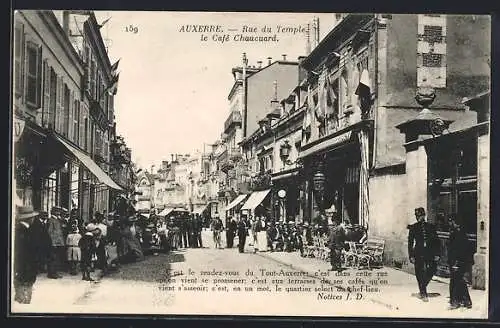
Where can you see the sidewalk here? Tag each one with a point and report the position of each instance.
(397, 294)
(49, 294)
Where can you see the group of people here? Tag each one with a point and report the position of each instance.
(184, 231)
(424, 253)
(60, 242)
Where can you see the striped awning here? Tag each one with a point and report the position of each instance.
(235, 202)
(89, 164)
(255, 199)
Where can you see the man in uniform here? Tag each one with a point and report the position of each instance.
(423, 250)
(336, 240)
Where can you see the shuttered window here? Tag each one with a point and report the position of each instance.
(33, 66)
(76, 121)
(46, 119)
(66, 110)
(19, 60)
(52, 99)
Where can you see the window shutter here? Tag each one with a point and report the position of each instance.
(39, 83)
(58, 112)
(19, 60)
(70, 116)
(46, 95)
(82, 126)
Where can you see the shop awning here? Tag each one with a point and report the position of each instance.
(327, 144)
(199, 209)
(146, 215)
(235, 202)
(90, 165)
(255, 199)
(285, 174)
(166, 212)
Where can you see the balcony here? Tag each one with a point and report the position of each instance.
(99, 115)
(233, 120)
(235, 154)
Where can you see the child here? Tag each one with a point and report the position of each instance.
(87, 247)
(73, 251)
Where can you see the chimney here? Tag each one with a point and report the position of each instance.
(259, 64)
(245, 59)
(65, 22)
(284, 57)
(317, 31)
(275, 88)
(171, 158)
(302, 70)
(152, 169)
(269, 59)
(308, 39)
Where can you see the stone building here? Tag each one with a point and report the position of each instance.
(363, 77)
(64, 86)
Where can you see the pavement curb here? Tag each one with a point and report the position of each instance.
(295, 267)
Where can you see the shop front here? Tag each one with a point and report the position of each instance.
(336, 175)
(286, 195)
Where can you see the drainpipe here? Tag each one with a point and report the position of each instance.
(245, 114)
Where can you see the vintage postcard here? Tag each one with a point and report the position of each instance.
(268, 164)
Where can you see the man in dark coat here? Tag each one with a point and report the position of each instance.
(242, 229)
(336, 242)
(183, 231)
(41, 240)
(231, 232)
(423, 250)
(25, 255)
(459, 258)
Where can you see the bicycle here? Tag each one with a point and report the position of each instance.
(217, 239)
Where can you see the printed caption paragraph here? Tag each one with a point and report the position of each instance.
(321, 285)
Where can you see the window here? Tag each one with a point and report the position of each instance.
(33, 75)
(344, 92)
(18, 59)
(49, 192)
(52, 99)
(86, 134)
(66, 109)
(76, 121)
(92, 82)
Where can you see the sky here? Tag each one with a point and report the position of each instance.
(173, 88)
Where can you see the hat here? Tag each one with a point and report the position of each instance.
(91, 227)
(25, 212)
(419, 211)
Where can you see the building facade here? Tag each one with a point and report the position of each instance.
(359, 91)
(362, 83)
(63, 108)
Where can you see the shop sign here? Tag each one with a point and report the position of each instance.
(18, 128)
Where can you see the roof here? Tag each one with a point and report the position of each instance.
(342, 31)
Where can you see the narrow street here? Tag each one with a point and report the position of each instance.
(145, 288)
(141, 288)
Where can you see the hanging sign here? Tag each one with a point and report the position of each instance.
(18, 128)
